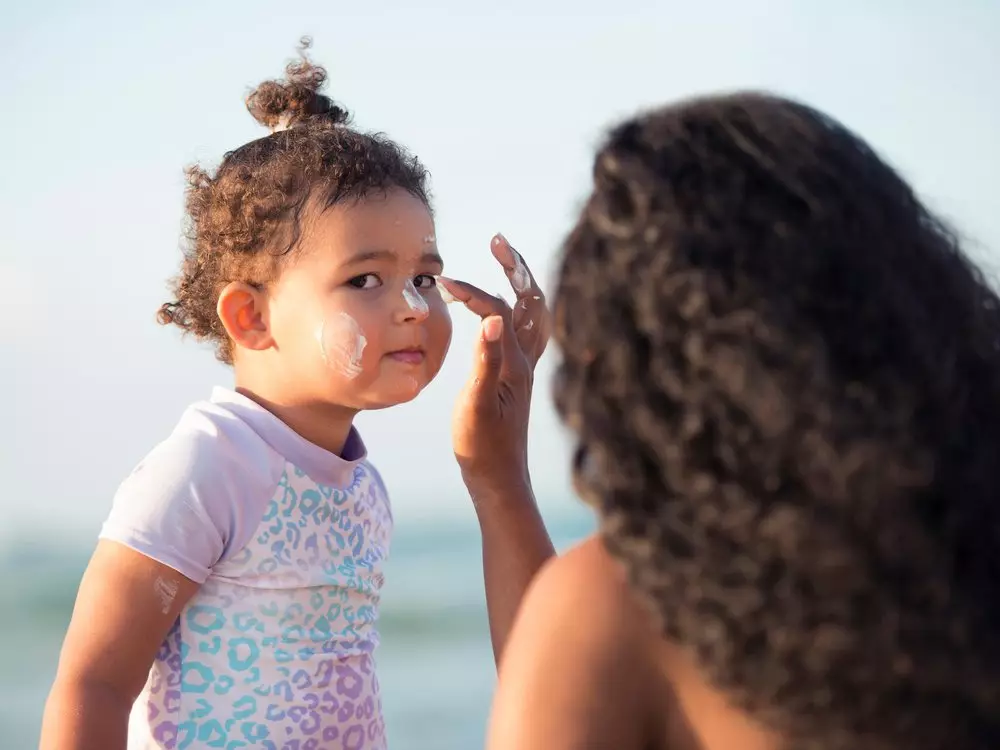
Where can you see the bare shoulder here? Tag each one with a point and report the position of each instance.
(590, 561)
(585, 580)
(576, 671)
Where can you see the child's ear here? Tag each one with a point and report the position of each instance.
(243, 311)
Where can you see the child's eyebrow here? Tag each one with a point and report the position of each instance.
(369, 255)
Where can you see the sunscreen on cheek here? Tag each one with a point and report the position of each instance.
(341, 344)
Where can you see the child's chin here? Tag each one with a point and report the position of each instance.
(396, 394)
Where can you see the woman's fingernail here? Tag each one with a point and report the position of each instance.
(504, 252)
(492, 328)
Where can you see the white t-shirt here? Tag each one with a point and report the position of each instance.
(288, 541)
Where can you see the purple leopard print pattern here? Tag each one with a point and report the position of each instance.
(276, 650)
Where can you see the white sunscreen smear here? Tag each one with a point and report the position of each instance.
(342, 344)
(447, 296)
(166, 591)
(520, 279)
(414, 298)
(430, 239)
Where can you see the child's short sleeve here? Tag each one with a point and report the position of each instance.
(380, 483)
(196, 498)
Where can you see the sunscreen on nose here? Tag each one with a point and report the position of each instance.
(414, 299)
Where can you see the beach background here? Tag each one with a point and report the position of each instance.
(105, 103)
(435, 662)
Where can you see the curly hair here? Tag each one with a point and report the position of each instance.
(783, 376)
(244, 219)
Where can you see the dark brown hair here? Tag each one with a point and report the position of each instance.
(784, 379)
(245, 218)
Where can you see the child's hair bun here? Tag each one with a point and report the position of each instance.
(279, 105)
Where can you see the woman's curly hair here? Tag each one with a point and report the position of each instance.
(784, 379)
(244, 219)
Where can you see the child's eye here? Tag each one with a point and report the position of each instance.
(424, 281)
(365, 281)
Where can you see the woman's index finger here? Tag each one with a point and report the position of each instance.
(518, 274)
(481, 303)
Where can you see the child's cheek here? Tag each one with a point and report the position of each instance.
(441, 333)
(341, 344)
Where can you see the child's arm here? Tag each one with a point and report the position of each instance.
(196, 496)
(126, 604)
(578, 672)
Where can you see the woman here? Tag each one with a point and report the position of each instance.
(783, 376)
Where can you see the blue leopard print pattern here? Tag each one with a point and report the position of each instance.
(276, 650)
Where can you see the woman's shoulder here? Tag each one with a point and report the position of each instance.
(577, 670)
(591, 557)
(587, 587)
(680, 704)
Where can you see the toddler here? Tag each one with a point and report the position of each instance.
(233, 596)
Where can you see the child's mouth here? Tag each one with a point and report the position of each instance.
(408, 356)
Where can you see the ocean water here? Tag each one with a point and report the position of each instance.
(435, 662)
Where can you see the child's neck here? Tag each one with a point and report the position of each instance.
(323, 424)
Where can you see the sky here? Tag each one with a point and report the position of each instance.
(104, 104)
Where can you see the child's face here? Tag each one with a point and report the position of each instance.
(355, 316)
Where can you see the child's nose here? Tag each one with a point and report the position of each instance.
(414, 307)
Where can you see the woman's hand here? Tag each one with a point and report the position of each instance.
(490, 434)
(490, 422)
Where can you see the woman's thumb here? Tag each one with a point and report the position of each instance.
(489, 353)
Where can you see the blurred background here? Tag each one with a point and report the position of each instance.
(104, 103)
